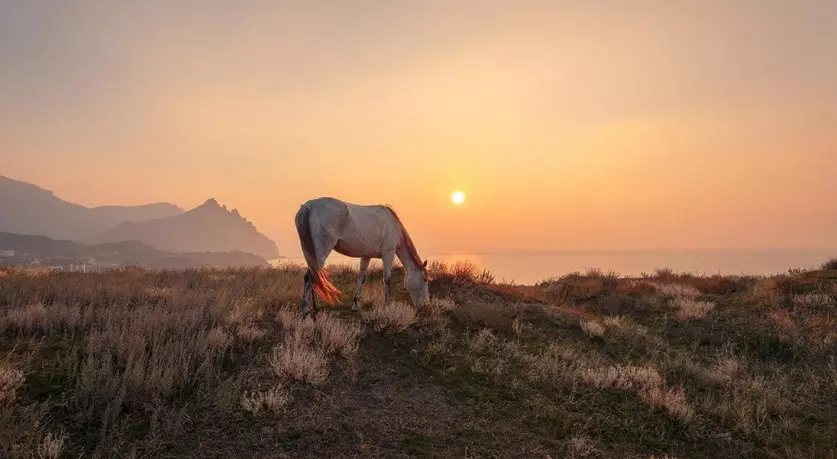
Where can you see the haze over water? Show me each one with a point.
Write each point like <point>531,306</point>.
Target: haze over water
<point>527,268</point>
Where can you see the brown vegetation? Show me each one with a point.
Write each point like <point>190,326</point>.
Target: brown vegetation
<point>219,363</point>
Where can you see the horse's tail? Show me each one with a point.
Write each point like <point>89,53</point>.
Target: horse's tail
<point>319,278</point>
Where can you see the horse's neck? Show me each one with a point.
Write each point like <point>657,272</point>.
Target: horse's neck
<point>403,254</point>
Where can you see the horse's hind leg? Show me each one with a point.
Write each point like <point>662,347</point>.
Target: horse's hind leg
<point>307,293</point>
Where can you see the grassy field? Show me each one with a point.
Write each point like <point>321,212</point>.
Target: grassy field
<point>217,363</point>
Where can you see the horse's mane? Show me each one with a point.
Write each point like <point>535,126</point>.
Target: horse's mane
<point>408,242</point>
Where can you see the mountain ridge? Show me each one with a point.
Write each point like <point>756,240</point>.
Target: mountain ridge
<point>208,227</point>
<point>26,208</point>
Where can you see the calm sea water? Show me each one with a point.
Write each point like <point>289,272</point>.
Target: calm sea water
<point>526,268</point>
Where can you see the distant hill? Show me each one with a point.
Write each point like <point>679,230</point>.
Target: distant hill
<point>19,249</point>
<point>206,228</point>
<point>28,209</point>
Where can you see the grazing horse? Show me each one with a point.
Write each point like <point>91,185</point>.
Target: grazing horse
<point>364,232</point>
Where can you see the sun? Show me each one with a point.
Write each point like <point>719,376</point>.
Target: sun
<point>457,197</point>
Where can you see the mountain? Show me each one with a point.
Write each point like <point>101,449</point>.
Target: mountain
<point>18,249</point>
<point>209,227</point>
<point>28,209</point>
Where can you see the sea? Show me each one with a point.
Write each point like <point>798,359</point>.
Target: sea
<point>528,268</point>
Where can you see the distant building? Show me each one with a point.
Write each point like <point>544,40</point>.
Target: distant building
<point>7,253</point>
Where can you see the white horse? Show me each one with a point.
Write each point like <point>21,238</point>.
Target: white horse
<point>364,232</point>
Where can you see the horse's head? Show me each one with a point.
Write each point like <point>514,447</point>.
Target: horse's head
<point>416,282</point>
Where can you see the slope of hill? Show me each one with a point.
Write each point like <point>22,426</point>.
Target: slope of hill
<point>206,228</point>
<point>28,250</point>
<point>219,364</point>
<point>28,209</point>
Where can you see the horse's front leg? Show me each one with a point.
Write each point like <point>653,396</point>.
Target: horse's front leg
<point>364,264</point>
<point>388,259</point>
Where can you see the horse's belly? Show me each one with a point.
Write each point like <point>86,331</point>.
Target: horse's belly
<point>355,250</point>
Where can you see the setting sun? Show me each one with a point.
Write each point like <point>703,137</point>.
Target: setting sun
<point>457,197</point>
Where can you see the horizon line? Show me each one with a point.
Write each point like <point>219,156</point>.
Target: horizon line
<point>612,251</point>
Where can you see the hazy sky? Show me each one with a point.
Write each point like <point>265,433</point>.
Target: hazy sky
<point>569,125</point>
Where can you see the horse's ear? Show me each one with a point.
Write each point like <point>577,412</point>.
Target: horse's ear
<point>424,266</point>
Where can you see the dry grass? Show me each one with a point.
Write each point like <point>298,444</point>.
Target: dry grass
<point>51,446</point>
<point>272,400</point>
<point>582,446</point>
<point>297,358</point>
<point>336,335</point>
<point>396,316</point>
<point>813,300</point>
<point>460,272</point>
<point>592,328</point>
<point>677,290</point>
<point>250,333</point>
<point>622,377</point>
<point>688,309</point>
<point>171,363</point>
<point>646,382</point>
<point>11,379</point>
<point>218,338</point>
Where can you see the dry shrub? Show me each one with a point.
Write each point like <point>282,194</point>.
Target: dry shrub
<point>613,321</point>
<point>272,400</point>
<point>726,370</point>
<point>442,342</point>
<point>645,381</point>
<point>692,309</point>
<point>51,446</point>
<point>582,446</point>
<point>622,377</point>
<point>217,338</point>
<point>765,292</point>
<point>396,316</point>
<point>157,293</point>
<point>674,400</point>
<point>26,319</point>
<point>460,272</point>
<point>677,290</point>
<point>298,359</point>
<point>303,354</point>
<point>336,335</point>
<point>576,286</point>
<point>248,332</point>
<point>10,381</point>
<point>243,311</point>
<point>289,319</point>
<point>592,328</point>
<point>483,339</point>
<point>437,306</point>
<point>813,301</point>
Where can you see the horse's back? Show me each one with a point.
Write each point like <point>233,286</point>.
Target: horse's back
<point>359,230</point>
<point>327,206</point>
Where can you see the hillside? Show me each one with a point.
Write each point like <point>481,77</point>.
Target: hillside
<point>28,209</point>
<point>206,228</point>
<point>218,364</point>
<point>44,251</point>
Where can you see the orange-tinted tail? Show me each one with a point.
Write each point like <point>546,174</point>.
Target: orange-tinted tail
<point>319,278</point>
<point>324,288</point>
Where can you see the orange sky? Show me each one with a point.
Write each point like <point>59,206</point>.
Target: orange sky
<point>569,125</point>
